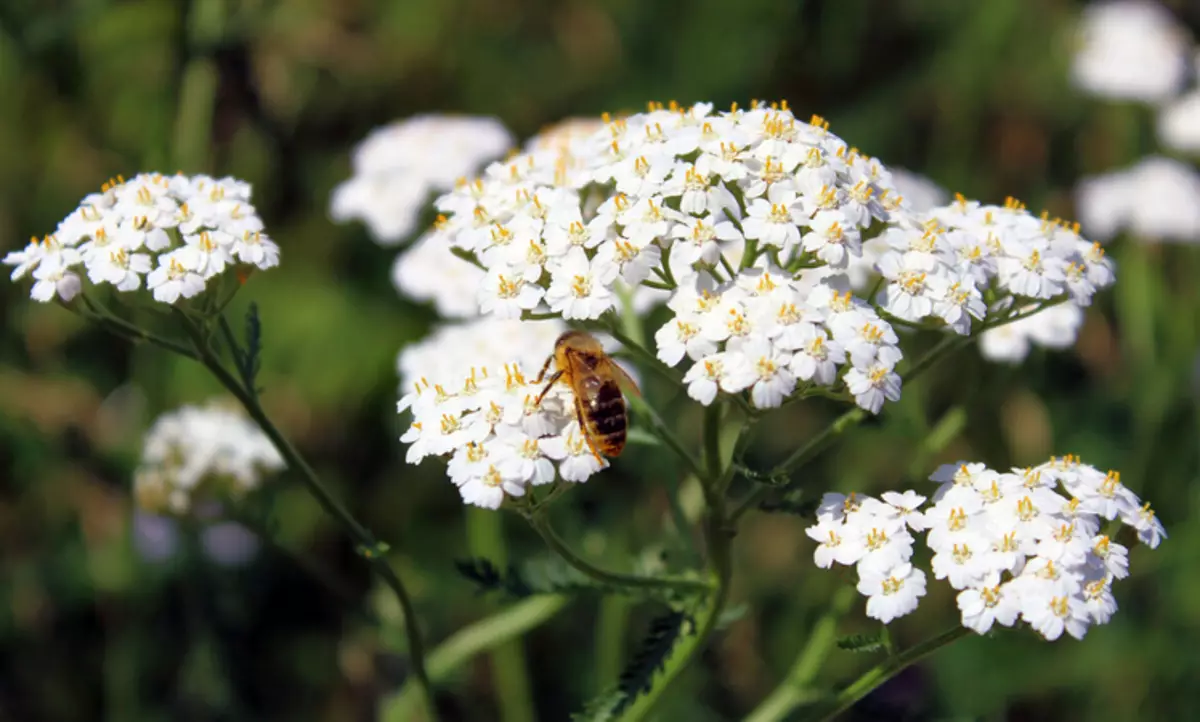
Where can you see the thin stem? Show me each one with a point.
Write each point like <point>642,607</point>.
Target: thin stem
<point>510,671</point>
<point>468,642</point>
<point>877,675</point>
<point>360,534</point>
<point>120,327</point>
<point>541,524</point>
<point>796,689</point>
<point>719,537</point>
<point>664,434</point>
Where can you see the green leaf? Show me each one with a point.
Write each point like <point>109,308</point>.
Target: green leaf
<point>868,643</point>
<point>651,656</point>
<point>601,708</point>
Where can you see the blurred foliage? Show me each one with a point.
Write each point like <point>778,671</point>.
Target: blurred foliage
<point>972,94</point>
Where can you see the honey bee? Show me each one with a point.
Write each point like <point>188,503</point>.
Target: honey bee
<point>581,363</point>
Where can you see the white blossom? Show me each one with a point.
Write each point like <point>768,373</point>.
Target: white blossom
<point>1020,545</point>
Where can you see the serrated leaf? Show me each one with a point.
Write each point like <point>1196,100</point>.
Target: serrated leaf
<point>600,708</point>
<point>867,643</point>
<point>638,676</point>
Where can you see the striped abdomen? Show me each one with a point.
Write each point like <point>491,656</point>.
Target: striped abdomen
<point>605,418</point>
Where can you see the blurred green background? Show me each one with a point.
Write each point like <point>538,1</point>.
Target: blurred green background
<point>973,94</point>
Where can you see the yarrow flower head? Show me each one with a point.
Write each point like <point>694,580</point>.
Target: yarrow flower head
<point>199,454</point>
<point>398,166</point>
<point>1024,545</point>
<point>171,235</point>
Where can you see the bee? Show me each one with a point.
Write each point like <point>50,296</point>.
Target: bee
<point>581,363</point>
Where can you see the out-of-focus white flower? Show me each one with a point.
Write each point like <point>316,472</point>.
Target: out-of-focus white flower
<point>201,453</point>
<point>1157,199</point>
<point>919,193</point>
<point>398,166</point>
<point>171,233</point>
<point>1056,327</point>
<point>428,271</point>
<point>1179,123</point>
<point>1131,50</point>
<point>1021,545</point>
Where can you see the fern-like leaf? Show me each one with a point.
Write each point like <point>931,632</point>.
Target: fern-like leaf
<point>868,643</point>
<point>250,361</point>
<point>638,676</point>
<point>601,708</point>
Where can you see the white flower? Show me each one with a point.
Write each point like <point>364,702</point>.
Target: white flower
<point>680,336</point>
<point>763,369</point>
<point>906,507</point>
<point>1179,123</point>
<point>873,385</point>
<point>1154,200</point>
<point>54,280</point>
<point>892,592</point>
<point>1131,49</point>
<point>988,603</point>
<point>832,240</point>
<point>199,453</point>
<point>580,288</point>
<point>1055,327</point>
<point>836,542</point>
<point>172,279</point>
<point>703,379</point>
<point>576,459</point>
<point>506,294</point>
<point>123,270</point>
<point>772,220</point>
<point>1051,614</point>
<point>816,357</point>
<point>489,489</point>
<point>398,166</point>
<point>919,193</point>
<point>256,249</point>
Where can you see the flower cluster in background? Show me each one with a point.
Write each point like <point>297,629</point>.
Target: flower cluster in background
<point>171,234</point>
<point>1136,50</point>
<point>397,167</point>
<point>1024,545</point>
<point>204,453</point>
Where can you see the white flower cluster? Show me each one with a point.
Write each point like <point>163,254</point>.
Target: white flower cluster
<point>1138,50</point>
<point>1131,50</point>
<point>499,438</point>
<point>1025,545</point>
<point>201,453</point>
<point>179,232</point>
<point>940,264</point>
<point>449,353</point>
<point>398,166</point>
<point>767,332</point>
<point>1156,199</point>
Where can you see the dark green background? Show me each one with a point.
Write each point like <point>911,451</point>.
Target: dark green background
<point>973,94</point>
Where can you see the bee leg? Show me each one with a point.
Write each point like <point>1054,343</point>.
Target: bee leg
<point>545,368</point>
<point>553,380</point>
<point>586,436</point>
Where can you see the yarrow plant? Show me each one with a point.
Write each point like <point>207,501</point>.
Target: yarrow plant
<point>1022,545</point>
<point>741,260</point>
<point>202,453</point>
<point>171,235</point>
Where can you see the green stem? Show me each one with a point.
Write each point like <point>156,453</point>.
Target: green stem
<point>331,505</point>
<point>877,675</point>
<point>719,537</point>
<point>466,643</point>
<point>485,537</point>
<point>541,524</point>
<point>609,641</point>
<point>796,689</point>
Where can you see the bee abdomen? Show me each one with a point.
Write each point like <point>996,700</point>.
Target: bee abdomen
<point>606,419</point>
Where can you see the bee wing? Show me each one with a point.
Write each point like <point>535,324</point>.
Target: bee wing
<point>624,379</point>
